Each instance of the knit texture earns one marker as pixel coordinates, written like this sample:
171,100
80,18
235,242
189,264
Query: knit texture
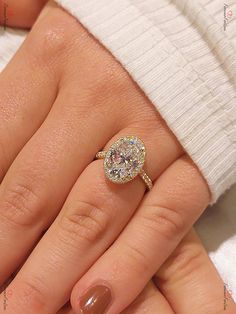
185,62
10,40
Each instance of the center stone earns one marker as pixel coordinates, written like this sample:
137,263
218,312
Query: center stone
124,159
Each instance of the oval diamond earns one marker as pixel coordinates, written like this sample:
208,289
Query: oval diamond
124,159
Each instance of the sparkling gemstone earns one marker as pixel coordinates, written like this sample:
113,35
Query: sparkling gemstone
124,159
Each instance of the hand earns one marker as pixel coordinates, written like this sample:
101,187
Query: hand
187,280
64,98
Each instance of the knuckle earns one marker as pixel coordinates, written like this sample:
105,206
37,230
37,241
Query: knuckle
163,221
32,294
136,258
86,222
184,262
188,181
188,261
53,38
20,205
51,42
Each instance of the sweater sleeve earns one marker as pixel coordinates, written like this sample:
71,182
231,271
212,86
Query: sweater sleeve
182,54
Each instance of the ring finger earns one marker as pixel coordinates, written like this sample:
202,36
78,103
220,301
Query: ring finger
177,199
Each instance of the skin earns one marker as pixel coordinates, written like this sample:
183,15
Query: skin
187,279
51,185
21,13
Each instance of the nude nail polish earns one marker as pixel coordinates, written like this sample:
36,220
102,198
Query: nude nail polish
96,300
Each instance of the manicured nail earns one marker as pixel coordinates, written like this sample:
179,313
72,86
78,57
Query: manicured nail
96,300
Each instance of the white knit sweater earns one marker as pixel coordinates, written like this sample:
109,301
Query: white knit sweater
185,61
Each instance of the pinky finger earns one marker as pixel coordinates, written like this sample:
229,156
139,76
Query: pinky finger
189,280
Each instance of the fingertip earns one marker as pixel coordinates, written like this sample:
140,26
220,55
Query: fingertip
96,299
20,14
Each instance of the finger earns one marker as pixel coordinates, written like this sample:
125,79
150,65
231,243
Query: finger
28,88
35,187
66,309
149,301
41,177
94,213
166,214
37,184
20,13
25,101
188,279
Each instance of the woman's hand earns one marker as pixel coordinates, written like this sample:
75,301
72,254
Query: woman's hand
187,280
64,98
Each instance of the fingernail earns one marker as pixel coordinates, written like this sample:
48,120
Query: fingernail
96,300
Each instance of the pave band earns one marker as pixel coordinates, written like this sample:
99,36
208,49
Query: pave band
125,160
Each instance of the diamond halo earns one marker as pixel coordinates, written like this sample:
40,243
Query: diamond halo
125,159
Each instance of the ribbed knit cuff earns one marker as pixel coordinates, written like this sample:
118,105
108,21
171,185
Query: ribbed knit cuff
183,99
